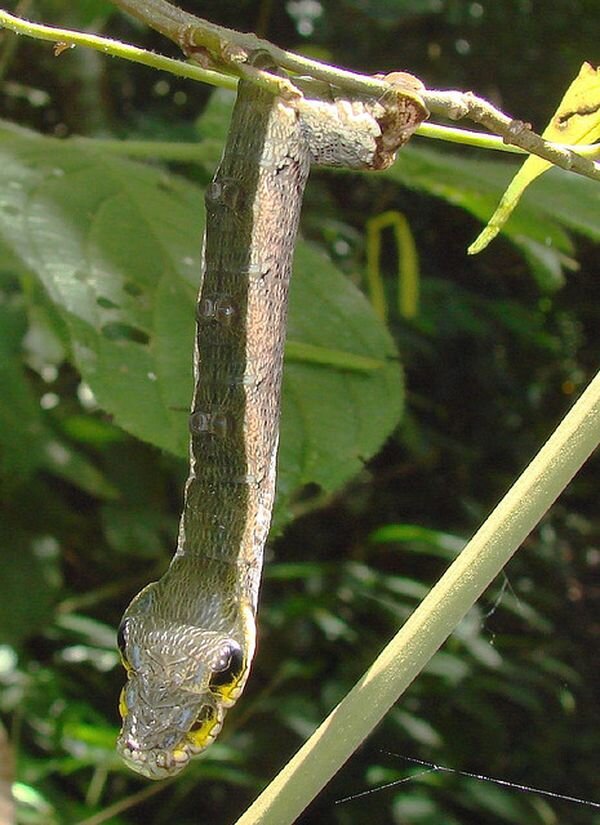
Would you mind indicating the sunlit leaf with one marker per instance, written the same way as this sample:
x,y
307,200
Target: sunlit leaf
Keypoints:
x,y
117,246
576,121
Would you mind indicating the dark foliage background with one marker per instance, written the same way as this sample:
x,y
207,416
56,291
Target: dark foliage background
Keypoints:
x,y
492,361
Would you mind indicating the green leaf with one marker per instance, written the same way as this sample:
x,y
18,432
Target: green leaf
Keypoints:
x,y
21,426
416,538
334,419
27,567
117,246
476,185
569,199
108,240
575,122
61,460
26,440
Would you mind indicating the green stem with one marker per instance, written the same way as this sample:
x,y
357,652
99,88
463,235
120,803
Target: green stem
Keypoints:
x,y
483,140
435,618
339,77
190,152
9,45
165,150
116,49
229,47
305,353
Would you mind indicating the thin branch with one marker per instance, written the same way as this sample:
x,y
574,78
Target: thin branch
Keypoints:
x,y
115,48
228,49
232,49
483,140
456,105
307,772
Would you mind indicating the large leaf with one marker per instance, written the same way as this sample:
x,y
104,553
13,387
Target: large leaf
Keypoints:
x,y
26,441
334,419
21,427
117,246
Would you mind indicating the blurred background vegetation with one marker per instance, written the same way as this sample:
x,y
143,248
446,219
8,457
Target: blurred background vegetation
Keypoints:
x,y
499,348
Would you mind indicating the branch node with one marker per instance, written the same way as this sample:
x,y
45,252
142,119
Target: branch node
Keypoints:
x,y
516,129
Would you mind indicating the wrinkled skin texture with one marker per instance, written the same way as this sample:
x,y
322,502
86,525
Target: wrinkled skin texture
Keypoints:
x,y
181,678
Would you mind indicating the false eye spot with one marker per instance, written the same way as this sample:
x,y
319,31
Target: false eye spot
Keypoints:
x,y
229,666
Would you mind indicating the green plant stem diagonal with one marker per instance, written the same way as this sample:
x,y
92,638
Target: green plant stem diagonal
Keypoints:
x,y
435,618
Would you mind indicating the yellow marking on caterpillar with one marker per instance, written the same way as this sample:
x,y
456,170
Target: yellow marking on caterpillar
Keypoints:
x,y
123,709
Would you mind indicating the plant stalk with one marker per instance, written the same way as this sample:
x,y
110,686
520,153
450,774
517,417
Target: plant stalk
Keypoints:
x,y
435,618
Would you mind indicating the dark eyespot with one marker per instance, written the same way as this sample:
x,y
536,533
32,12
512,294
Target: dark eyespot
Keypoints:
x,y
225,192
228,667
201,422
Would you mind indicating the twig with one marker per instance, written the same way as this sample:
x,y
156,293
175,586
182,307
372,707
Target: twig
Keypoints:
x,y
456,105
483,140
114,48
231,47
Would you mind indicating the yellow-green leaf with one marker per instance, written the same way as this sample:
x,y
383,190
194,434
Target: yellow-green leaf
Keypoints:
x,y
575,122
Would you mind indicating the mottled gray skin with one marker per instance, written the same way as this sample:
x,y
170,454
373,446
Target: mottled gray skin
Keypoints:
x,y
187,640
